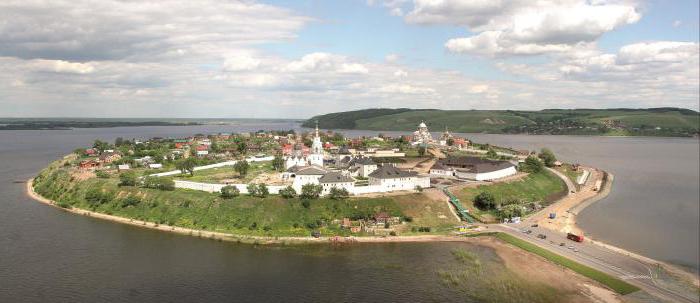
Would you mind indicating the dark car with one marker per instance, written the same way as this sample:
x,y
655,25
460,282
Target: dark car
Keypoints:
x,y
535,225
562,244
316,234
542,236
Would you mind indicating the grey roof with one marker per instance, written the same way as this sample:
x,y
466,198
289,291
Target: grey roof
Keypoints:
x,y
475,164
344,150
387,171
311,170
439,166
363,161
334,177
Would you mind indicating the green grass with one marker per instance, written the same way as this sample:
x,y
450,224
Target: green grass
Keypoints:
x,y
242,215
614,283
541,187
570,173
215,175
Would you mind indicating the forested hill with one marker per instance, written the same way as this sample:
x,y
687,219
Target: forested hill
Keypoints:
x,y
617,121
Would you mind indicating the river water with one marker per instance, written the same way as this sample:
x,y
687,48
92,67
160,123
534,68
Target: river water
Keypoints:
x,y
47,255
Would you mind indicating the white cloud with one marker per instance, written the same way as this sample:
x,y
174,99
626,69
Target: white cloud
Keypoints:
x,y
241,63
677,23
406,89
524,27
315,62
400,73
392,58
479,88
60,66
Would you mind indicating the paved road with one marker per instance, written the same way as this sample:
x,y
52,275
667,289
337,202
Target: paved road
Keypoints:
x,y
617,264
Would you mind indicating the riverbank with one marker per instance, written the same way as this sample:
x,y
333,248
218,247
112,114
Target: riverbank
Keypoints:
x,y
218,236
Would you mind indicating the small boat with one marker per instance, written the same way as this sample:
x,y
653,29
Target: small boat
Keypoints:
x,y
19,181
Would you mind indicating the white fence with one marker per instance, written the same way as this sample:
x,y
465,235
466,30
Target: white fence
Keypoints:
x,y
582,178
214,188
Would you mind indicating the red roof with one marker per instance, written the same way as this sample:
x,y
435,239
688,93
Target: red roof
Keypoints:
x,y
202,147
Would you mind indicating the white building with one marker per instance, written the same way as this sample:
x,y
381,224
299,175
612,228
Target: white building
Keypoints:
x,y
473,168
305,175
337,180
315,157
389,178
422,135
365,166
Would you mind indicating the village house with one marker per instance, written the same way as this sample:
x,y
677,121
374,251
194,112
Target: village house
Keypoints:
x,y
109,157
88,164
364,165
336,180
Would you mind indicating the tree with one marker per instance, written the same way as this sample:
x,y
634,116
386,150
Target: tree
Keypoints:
x,y
485,200
241,167
491,154
263,191
102,174
421,150
230,191
241,146
128,178
130,200
252,189
278,163
338,193
419,188
186,165
159,183
100,145
450,142
547,157
288,192
311,191
532,165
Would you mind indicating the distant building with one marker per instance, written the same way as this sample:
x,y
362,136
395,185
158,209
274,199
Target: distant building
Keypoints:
x,y
422,135
389,178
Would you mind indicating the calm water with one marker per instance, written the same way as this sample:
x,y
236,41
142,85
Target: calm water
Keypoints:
x,y
49,255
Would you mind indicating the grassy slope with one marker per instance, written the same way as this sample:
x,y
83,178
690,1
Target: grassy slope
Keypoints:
x,y
496,121
214,175
615,284
534,187
242,215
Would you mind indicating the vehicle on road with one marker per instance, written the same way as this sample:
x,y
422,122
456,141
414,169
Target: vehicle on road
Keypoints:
x,y
571,247
552,215
574,237
535,225
528,231
542,236
562,244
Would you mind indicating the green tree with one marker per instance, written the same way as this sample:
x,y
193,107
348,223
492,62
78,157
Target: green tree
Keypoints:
x,y
263,191
252,189
128,178
130,200
288,192
241,146
532,165
241,167
485,200
102,174
186,165
450,142
160,183
100,145
230,191
547,157
491,154
278,163
338,193
311,191
422,150
419,188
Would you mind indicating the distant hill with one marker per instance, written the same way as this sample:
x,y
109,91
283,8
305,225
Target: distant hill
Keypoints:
x,y
616,121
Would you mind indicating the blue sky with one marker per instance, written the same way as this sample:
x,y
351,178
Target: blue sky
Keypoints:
x,y
295,59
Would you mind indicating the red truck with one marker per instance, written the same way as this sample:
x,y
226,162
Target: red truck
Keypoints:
x,y
574,237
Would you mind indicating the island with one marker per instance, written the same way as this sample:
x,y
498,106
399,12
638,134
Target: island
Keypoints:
x,y
285,187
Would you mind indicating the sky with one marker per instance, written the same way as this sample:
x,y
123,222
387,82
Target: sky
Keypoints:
x,y
297,59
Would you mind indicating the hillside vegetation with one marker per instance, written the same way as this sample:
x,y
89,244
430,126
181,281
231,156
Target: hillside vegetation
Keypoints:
x,y
624,122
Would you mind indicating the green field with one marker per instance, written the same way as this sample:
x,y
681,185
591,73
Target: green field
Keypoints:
x,y
615,284
648,122
215,175
542,187
242,215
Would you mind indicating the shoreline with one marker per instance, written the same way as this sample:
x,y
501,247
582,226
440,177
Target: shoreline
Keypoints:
x,y
219,236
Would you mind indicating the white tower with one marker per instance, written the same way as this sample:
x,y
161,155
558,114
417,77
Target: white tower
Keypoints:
x,y
316,156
